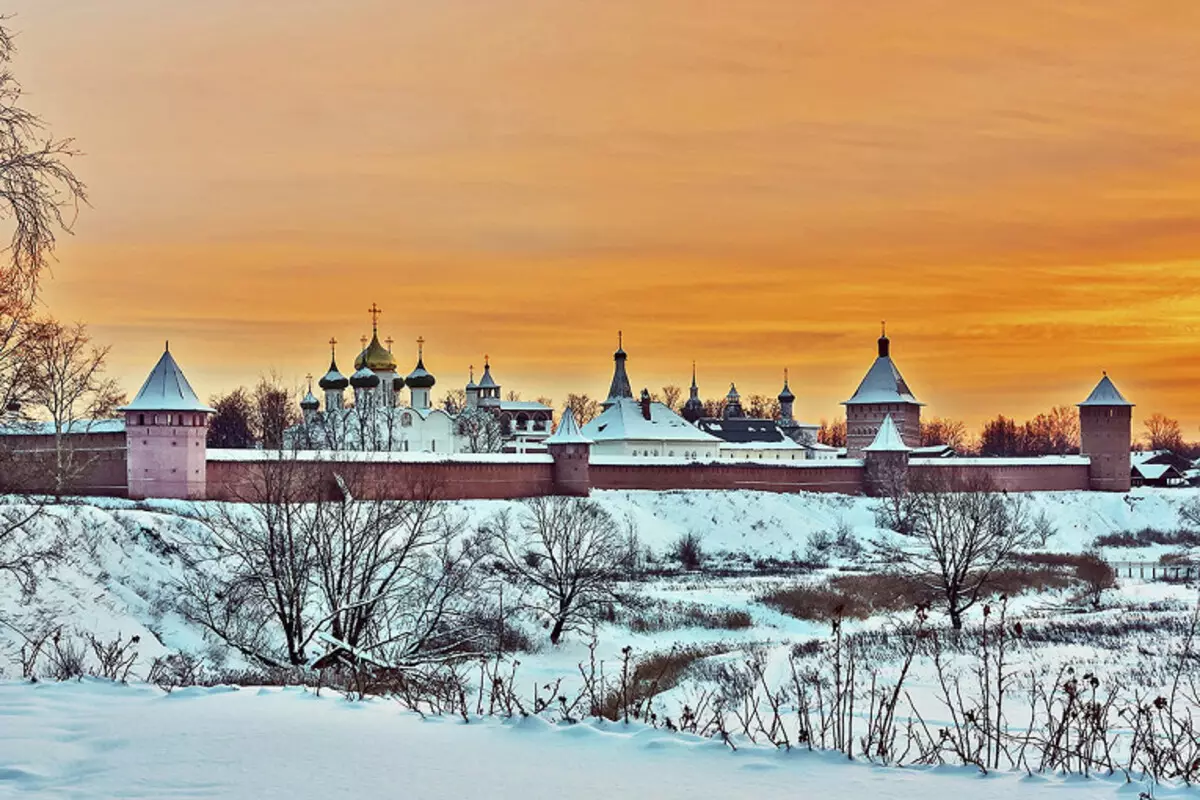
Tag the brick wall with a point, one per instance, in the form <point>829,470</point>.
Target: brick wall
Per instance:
<point>98,457</point>
<point>1034,475</point>
<point>846,478</point>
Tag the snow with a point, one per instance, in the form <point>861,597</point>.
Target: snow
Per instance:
<point>100,740</point>
<point>568,431</point>
<point>1105,394</point>
<point>376,456</point>
<point>887,440</point>
<point>882,384</point>
<point>44,428</point>
<point>166,389</point>
<point>624,421</point>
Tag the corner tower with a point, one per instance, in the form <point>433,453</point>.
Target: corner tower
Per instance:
<point>571,451</point>
<point>1105,434</point>
<point>882,393</point>
<point>166,426</point>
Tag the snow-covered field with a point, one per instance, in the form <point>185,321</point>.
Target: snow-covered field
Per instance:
<point>93,739</point>
<point>97,740</point>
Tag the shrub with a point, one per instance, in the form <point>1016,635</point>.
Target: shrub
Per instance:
<point>688,552</point>
<point>670,616</point>
<point>1147,537</point>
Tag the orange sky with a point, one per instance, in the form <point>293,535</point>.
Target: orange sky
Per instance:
<point>1014,186</point>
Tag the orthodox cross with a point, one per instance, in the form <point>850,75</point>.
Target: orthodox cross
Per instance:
<point>309,376</point>
<point>389,341</point>
<point>332,347</point>
<point>420,347</point>
<point>363,339</point>
<point>374,311</point>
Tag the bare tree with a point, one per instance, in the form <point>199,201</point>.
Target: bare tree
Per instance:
<point>566,555</point>
<point>480,430</point>
<point>512,395</point>
<point>944,431</point>
<point>454,401</point>
<point>671,395</point>
<point>759,406</point>
<point>39,194</point>
<point>275,410</point>
<point>1163,433</point>
<point>583,407</point>
<point>232,425</point>
<point>953,532</point>
<point>832,434</point>
<point>315,555</point>
<point>67,383</point>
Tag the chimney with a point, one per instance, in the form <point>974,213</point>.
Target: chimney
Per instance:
<point>646,403</point>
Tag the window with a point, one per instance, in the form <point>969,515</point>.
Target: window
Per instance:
<point>406,421</point>
<point>141,419</point>
<point>433,445</point>
<point>635,452</point>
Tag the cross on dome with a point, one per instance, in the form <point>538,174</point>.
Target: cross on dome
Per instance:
<point>374,311</point>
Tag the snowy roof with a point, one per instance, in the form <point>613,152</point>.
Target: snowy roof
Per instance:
<point>420,378</point>
<point>1105,394</point>
<point>783,444</point>
<point>623,420</point>
<point>568,431</point>
<point>79,426</point>
<point>883,384</point>
<point>309,401</point>
<point>523,405</point>
<point>887,440</point>
<point>744,430</point>
<point>166,389</point>
<point>1153,472</point>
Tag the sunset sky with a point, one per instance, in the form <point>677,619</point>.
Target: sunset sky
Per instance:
<point>1014,186</point>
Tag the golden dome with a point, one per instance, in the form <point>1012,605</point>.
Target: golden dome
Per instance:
<point>376,357</point>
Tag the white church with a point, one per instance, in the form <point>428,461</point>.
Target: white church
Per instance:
<point>375,416</point>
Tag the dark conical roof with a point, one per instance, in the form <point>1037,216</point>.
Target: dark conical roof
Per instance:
<point>620,381</point>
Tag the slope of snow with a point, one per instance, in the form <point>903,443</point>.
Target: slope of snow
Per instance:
<point>101,740</point>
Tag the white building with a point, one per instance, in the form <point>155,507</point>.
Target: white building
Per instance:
<point>643,428</point>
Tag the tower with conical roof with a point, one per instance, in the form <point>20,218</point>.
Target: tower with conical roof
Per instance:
<point>166,428</point>
<point>883,392</point>
<point>489,390</point>
<point>693,409</point>
<point>1105,435</point>
<point>571,451</point>
<point>787,402</point>
<point>619,388</point>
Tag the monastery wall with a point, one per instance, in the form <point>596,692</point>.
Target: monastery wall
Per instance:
<point>844,476</point>
<point>98,461</point>
<point>1048,474</point>
<point>246,475</point>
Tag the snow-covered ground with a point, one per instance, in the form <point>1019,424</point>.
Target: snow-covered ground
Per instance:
<point>99,740</point>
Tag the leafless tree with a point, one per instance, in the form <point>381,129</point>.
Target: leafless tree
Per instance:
<point>944,431</point>
<point>480,430</point>
<point>953,532</point>
<point>566,555</point>
<point>39,195</point>
<point>759,406</point>
<point>454,401</point>
<point>512,395</point>
<point>1163,433</point>
<point>583,407</point>
<point>275,410</point>
<point>671,395</point>
<point>67,384</point>
<point>316,556</point>
<point>1189,513</point>
<point>832,434</point>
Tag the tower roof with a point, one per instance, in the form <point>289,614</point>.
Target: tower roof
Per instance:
<point>333,379</point>
<point>420,378</point>
<point>375,356</point>
<point>883,382</point>
<point>166,389</point>
<point>364,378</point>
<point>620,382</point>
<point>568,431</point>
<point>1105,394</point>
<point>888,439</point>
<point>786,395</point>
<point>487,381</point>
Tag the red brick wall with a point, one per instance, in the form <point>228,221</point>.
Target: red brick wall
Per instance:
<point>100,458</point>
<point>1024,478</point>
<point>238,480</point>
<point>845,478</point>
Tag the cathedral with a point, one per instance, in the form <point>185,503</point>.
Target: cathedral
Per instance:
<point>375,416</point>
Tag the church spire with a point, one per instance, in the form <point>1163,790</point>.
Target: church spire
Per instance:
<point>620,382</point>
<point>693,409</point>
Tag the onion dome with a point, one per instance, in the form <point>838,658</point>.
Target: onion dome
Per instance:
<point>376,357</point>
<point>333,380</point>
<point>733,395</point>
<point>310,402</point>
<point>420,378</point>
<point>364,378</point>
<point>786,395</point>
<point>397,383</point>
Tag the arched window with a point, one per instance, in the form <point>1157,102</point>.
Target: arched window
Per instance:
<point>406,420</point>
